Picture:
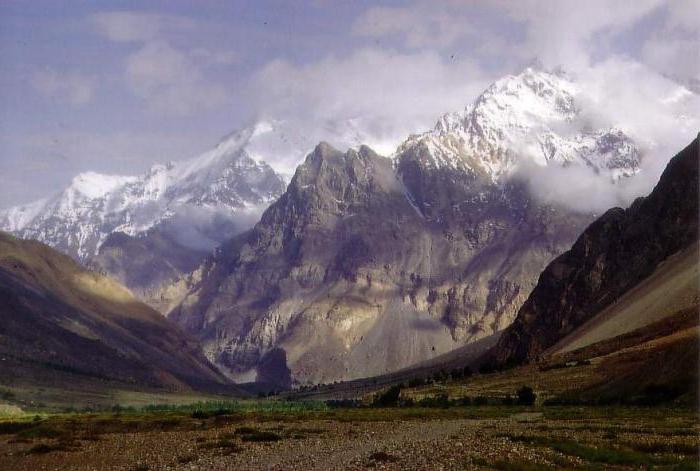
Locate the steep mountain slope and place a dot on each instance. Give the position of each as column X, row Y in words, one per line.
column 673, row 287
column 63, row 326
column 367, row 265
column 613, row 255
column 219, row 183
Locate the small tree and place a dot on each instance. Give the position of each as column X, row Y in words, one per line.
column 526, row 396
column 388, row 398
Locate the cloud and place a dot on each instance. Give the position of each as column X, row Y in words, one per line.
column 422, row 25
column 204, row 228
column 568, row 32
column 171, row 81
column 128, row 26
column 72, row 88
column 656, row 112
column 213, row 58
column 384, row 94
column 579, row 188
column 673, row 49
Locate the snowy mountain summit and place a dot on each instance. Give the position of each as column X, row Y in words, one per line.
column 215, row 186
column 531, row 117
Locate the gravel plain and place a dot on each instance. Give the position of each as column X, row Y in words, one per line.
column 517, row 441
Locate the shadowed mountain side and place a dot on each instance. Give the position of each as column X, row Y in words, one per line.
column 613, row 254
column 62, row 324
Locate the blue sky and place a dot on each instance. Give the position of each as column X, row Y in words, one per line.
column 117, row 86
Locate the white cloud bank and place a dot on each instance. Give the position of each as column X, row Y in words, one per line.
column 385, row 94
column 130, row 26
column 172, row 81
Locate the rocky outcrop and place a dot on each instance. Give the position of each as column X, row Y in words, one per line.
column 613, row 254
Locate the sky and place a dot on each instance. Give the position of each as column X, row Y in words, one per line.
column 115, row 87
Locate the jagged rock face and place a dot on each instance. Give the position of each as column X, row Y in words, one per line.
column 498, row 237
column 348, row 275
column 612, row 255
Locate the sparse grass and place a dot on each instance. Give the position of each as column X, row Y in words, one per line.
column 184, row 459
column 14, row 427
column 245, row 430
column 634, row 454
column 213, row 408
column 261, row 436
column 383, row 457
column 226, row 446
column 602, row 454
column 42, row 431
column 43, row 448
column 519, row 465
column 660, row 447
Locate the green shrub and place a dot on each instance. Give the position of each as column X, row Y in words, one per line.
column 200, row 414
column 261, row 436
column 480, row 401
column 526, row 396
column 389, row 398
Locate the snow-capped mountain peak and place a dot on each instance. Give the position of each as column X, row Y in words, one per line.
column 222, row 181
column 532, row 116
column 95, row 185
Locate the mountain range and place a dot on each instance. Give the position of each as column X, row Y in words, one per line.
column 364, row 264
column 368, row 264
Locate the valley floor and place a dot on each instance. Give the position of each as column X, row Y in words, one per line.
column 486, row 437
